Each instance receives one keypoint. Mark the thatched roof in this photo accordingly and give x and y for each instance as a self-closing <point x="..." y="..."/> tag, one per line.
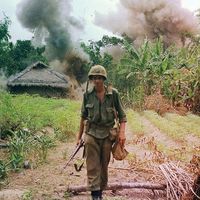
<point x="39" y="74"/>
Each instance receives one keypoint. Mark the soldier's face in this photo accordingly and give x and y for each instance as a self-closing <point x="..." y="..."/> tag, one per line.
<point x="98" y="80"/>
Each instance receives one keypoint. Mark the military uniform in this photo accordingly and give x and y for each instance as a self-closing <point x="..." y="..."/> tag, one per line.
<point x="101" y="118"/>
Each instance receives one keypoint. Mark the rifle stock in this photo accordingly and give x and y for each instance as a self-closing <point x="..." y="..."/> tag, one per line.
<point x="81" y="144"/>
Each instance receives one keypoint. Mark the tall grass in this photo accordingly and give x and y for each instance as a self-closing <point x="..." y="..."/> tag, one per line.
<point x="135" y="122"/>
<point x="188" y="123"/>
<point x="194" y="118"/>
<point x="23" y="120"/>
<point x="172" y="129"/>
<point x="34" y="113"/>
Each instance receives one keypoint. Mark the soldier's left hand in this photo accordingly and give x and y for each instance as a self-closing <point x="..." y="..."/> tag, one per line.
<point x="122" y="139"/>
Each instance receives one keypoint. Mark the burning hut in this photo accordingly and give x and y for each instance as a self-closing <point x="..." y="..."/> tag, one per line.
<point x="40" y="79"/>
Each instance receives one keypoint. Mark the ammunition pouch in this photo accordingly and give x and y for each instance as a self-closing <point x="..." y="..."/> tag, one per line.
<point x="114" y="132"/>
<point x="86" y="126"/>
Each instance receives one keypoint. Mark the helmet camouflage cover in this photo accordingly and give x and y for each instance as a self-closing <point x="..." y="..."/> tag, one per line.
<point x="97" y="70"/>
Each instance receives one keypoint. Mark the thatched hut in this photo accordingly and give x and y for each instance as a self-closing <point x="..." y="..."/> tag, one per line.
<point x="40" y="79"/>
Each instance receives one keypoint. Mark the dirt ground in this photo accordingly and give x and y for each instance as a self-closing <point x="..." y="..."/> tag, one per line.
<point x="49" y="182"/>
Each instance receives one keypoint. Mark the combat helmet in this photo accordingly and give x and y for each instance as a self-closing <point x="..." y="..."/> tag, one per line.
<point x="97" y="70"/>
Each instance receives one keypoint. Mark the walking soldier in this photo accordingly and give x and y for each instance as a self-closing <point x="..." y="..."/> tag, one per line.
<point x="98" y="108"/>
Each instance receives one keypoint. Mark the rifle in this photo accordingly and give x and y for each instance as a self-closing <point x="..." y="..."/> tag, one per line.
<point x="81" y="144"/>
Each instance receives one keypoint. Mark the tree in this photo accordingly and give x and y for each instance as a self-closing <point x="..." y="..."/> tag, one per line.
<point x="16" y="57"/>
<point x="96" y="56"/>
<point x="150" y="68"/>
<point x="23" y="54"/>
<point x="94" y="50"/>
<point x="5" y="45"/>
<point x="4" y="34"/>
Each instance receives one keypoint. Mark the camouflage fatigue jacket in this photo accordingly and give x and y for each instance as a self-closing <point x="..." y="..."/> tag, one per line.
<point x="101" y="115"/>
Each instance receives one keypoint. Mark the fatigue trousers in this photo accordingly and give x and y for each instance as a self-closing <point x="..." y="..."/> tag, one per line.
<point x="97" y="152"/>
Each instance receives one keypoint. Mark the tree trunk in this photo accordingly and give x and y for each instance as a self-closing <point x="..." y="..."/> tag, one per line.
<point x="120" y="186"/>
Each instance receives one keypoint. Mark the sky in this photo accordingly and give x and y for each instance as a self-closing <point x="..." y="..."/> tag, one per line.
<point x="84" y="10"/>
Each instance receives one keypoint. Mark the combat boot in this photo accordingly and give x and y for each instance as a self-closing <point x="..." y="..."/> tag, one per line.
<point x="96" y="195"/>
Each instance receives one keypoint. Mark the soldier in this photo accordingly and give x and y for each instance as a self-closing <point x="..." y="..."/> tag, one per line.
<point x="98" y="108"/>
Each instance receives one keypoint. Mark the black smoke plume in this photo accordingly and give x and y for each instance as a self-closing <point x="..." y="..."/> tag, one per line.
<point x="51" y="22"/>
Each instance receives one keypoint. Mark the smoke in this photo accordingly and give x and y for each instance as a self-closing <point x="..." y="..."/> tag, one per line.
<point x="115" y="51"/>
<point x="54" y="27"/>
<point x="52" y="24"/>
<point x="73" y="66"/>
<point x="139" y="19"/>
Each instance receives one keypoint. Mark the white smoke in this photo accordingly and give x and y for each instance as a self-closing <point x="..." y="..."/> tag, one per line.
<point x="139" y="19"/>
<point x="115" y="51"/>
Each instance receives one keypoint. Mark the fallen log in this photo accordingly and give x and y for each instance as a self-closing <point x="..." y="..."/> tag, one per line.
<point x="120" y="186"/>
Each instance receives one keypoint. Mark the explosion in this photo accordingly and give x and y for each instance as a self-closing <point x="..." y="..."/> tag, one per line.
<point x="140" y="19"/>
<point x="53" y="26"/>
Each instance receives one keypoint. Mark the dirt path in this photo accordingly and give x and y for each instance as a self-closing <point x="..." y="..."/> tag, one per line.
<point x="48" y="182"/>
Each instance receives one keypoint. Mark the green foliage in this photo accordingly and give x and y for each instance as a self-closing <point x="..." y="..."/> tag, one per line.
<point x="150" y="68"/>
<point x="44" y="142"/>
<point x="93" y="49"/>
<point x="61" y="136"/>
<point x="4" y="34"/>
<point x="16" y="57"/>
<point x="35" y="113"/>
<point x="96" y="55"/>
<point x="23" y="144"/>
<point x="24" y="120"/>
<point x="3" y="170"/>
<point x="17" y="150"/>
<point x="10" y="118"/>
<point x="141" y="70"/>
<point x="67" y="195"/>
<point x="19" y="112"/>
<point x="23" y="54"/>
<point x="28" y="195"/>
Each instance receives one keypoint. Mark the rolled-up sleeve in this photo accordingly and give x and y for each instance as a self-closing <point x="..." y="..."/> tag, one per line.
<point x="119" y="107"/>
<point x="84" y="113"/>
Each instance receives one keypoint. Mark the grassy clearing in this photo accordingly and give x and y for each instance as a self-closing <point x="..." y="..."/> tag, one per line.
<point x="194" y="118"/>
<point x="62" y="114"/>
<point x="24" y="121"/>
<point x="34" y="113"/>
<point x="177" y="128"/>
<point x="190" y="123"/>
<point x="146" y="140"/>
<point x="135" y="122"/>
<point x="171" y="128"/>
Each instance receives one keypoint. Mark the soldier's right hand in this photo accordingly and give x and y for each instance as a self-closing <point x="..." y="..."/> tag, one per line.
<point x="78" y="142"/>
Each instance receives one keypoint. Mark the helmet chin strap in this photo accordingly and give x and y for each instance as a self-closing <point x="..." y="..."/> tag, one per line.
<point x="86" y="89"/>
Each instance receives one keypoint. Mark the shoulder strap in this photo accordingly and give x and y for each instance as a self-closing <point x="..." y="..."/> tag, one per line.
<point x="113" y="104"/>
<point x="87" y="89"/>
